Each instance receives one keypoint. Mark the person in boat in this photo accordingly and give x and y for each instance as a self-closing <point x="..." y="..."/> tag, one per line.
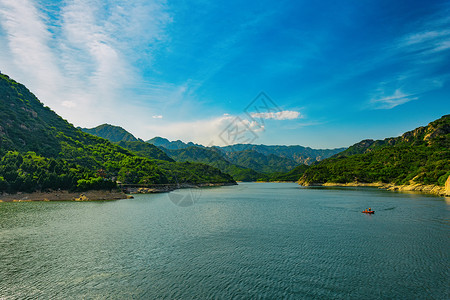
<point x="369" y="209"/>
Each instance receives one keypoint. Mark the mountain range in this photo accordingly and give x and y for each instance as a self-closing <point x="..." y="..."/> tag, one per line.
<point x="298" y="154"/>
<point x="419" y="156"/>
<point x="245" y="162"/>
<point x="39" y="151"/>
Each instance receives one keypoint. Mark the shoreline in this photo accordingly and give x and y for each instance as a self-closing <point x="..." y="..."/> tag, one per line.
<point x="100" y="195"/>
<point x="419" y="188"/>
<point x="94" y="195"/>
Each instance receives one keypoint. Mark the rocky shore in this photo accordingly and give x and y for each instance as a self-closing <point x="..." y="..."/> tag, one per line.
<point x="101" y="195"/>
<point x="414" y="187"/>
<point x="64" y="196"/>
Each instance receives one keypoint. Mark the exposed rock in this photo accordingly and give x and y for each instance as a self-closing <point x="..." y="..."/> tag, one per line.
<point x="82" y="197"/>
<point x="22" y="126"/>
<point x="447" y="187"/>
<point x="415" y="187"/>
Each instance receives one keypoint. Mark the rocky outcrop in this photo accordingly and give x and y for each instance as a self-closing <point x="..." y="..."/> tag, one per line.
<point x="423" y="188"/>
<point x="414" y="187"/>
<point x="447" y="187"/>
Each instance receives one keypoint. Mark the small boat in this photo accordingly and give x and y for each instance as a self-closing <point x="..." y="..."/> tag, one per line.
<point x="368" y="211"/>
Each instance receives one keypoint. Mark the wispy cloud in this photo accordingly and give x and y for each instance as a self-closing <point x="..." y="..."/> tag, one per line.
<point x="281" y="115"/>
<point x="420" y="55"/>
<point x="81" y="62"/>
<point x="29" y="54"/>
<point x="426" y="37"/>
<point x="392" y="101"/>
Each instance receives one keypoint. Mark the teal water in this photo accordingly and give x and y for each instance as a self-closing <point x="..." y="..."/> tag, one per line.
<point x="252" y="241"/>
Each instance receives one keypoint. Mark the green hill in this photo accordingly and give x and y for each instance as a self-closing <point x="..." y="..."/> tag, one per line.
<point x="292" y="175"/>
<point x="111" y="133"/>
<point x="126" y="140"/>
<point x="215" y="158"/>
<point x="39" y="150"/>
<point x="418" y="156"/>
<point x="178" y="151"/>
<point x="260" y="162"/>
<point x="145" y="150"/>
<point x="182" y="152"/>
<point x="298" y="154"/>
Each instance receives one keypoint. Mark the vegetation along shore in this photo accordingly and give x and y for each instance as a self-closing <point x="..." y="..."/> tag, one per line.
<point x="418" y="160"/>
<point x="42" y="154"/>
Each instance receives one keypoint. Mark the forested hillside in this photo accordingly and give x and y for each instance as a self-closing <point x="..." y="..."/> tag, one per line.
<point x="111" y="133"/>
<point x="418" y="156"/>
<point x="39" y="150"/>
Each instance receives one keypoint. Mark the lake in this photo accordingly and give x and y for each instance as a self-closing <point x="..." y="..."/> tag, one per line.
<point x="251" y="241"/>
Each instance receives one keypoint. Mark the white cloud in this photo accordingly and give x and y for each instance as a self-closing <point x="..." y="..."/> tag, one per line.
<point x="157" y="117"/>
<point x="79" y="61"/>
<point x="215" y="131"/>
<point x="393" y="100"/>
<point x="281" y="115"/>
<point x="426" y="37"/>
<point x="28" y="53"/>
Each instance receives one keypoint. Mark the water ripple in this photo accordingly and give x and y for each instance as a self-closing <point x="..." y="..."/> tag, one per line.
<point x="256" y="241"/>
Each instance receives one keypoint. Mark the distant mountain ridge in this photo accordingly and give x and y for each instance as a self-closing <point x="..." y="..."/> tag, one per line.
<point x="260" y="162"/>
<point x="299" y="154"/>
<point x="245" y="162"/>
<point x="180" y="152"/>
<point x="290" y="154"/>
<point x="215" y="158"/>
<point x="171" y="145"/>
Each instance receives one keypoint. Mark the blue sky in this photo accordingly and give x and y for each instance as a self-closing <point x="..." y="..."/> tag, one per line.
<point x="336" y="72"/>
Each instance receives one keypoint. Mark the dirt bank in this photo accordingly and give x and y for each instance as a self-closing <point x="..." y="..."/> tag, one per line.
<point x="64" y="196"/>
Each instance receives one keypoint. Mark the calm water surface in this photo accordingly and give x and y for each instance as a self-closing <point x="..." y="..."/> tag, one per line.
<point x="252" y="241"/>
